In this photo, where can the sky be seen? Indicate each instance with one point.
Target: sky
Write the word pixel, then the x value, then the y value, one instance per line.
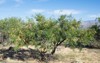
pixel 80 9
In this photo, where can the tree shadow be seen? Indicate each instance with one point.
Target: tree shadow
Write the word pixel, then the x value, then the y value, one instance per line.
pixel 23 54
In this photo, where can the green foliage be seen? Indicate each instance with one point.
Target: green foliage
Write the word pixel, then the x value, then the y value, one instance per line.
pixel 46 34
pixel 99 19
pixel 96 27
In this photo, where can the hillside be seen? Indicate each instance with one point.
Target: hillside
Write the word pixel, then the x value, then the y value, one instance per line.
pixel 89 23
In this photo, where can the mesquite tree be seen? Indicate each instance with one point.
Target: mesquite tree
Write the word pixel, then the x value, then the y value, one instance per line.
pixel 52 33
pixel 46 34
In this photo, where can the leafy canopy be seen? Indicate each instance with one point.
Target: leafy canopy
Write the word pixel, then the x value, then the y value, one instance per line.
pixel 46 34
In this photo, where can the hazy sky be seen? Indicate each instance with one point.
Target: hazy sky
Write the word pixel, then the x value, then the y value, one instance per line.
pixel 80 9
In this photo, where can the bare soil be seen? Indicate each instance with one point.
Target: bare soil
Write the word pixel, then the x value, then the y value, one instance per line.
pixel 62 55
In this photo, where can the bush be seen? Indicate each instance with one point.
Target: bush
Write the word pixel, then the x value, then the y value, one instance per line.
pixel 96 27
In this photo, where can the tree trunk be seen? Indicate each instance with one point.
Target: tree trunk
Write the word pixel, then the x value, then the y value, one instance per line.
pixel 55 47
pixel 53 51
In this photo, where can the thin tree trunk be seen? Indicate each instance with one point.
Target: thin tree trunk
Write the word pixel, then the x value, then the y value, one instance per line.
pixel 53 51
pixel 55 47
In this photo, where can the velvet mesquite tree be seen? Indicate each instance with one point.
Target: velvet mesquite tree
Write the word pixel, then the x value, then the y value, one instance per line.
pixel 63 30
pixel 68 31
pixel 46 34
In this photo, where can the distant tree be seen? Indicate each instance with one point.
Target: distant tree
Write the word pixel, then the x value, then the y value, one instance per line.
pixel 97 29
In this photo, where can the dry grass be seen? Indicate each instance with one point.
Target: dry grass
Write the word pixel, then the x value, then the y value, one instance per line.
pixel 65 55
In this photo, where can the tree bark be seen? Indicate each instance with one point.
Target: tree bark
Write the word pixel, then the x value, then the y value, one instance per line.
pixel 53 51
pixel 55 47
